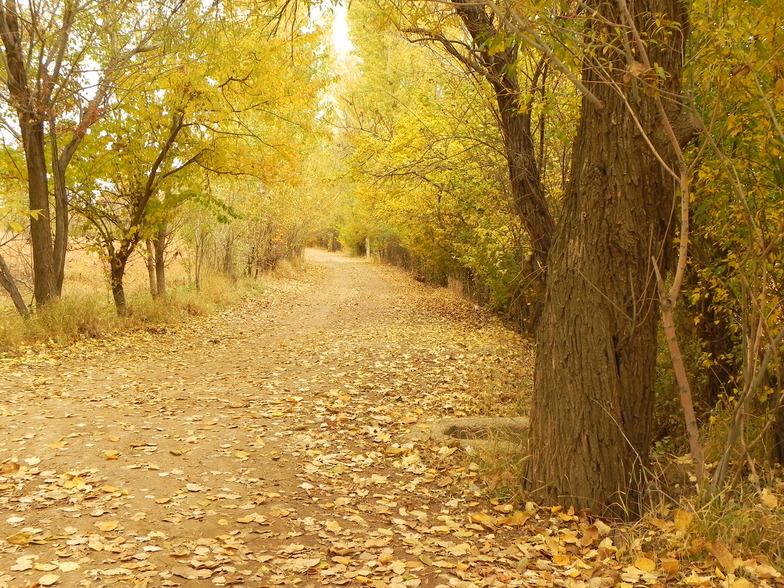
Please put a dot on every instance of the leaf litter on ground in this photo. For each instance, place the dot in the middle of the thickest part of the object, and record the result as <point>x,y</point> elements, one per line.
<point>276,444</point>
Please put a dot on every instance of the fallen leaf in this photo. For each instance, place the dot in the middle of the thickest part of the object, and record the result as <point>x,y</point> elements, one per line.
<point>645,564</point>
<point>108,526</point>
<point>483,519</point>
<point>722,555</point>
<point>683,519</point>
<point>769,500</point>
<point>24,538</point>
<point>670,566</point>
<point>185,572</point>
<point>515,519</point>
<point>8,467</point>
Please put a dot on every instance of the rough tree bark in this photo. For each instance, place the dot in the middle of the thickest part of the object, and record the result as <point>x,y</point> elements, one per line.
<point>117,265</point>
<point>593,392</point>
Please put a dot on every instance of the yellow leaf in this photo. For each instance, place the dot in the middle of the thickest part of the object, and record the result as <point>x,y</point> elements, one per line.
<point>483,519</point>
<point>769,500</point>
<point>645,564</point>
<point>8,467</point>
<point>23,539</point>
<point>108,526</point>
<point>670,566</point>
<point>722,555</point>
<point>683,519</point>
<point>74,482</point>
<point>516,519</point>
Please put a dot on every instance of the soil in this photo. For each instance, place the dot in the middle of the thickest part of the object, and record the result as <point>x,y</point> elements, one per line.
<point>267,445</point>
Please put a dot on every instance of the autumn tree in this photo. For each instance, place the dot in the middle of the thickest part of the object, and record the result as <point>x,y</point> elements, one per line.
<point>431,168</point>
<point>52,50</point>
<point>594,384</point>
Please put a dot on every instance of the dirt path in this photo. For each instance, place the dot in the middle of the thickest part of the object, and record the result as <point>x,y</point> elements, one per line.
<point>268,445</point>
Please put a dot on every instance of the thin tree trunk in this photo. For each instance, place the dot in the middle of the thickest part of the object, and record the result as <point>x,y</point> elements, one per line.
<point>498,68</point>
<point>9,284</point>
<point>594,382</point>
<point>159,243</point>
<point>60,245</point>
<point>149,261</point>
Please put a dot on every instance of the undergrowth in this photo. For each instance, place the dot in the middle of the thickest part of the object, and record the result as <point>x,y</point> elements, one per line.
<point>745,520</point>
<point>93,315</point>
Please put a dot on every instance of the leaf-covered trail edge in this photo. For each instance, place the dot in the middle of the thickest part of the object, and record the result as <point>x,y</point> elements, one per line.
<point>282,443</point>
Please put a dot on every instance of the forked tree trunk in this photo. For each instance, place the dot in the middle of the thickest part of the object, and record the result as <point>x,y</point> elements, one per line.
<point>31,106</point>
<point>594,383</point>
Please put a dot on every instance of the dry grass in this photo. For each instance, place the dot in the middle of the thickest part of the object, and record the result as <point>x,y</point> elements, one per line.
<point>86,308</point>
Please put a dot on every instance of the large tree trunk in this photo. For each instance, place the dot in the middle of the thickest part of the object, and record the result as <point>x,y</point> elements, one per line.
<point>594,384</point>
<point>30,109</point>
